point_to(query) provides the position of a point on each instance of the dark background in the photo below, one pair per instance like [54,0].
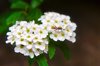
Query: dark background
[86,50]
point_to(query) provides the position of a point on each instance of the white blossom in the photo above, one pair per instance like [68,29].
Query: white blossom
[59,26]
[30,39]
[40,45]
[11,38]
[41,32]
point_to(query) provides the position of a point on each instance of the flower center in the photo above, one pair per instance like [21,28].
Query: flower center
[62,34]
[41,31]
[28,36]
[39,43]
[34,28]
[48,20]
[29,42]
[56,21]
[21,39]
[19,33]
[21,46]
[30,50]
[28,30]
[68,30]
[36,38]
[21,27]
[55,35]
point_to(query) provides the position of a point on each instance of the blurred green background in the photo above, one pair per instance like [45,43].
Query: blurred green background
[85,13]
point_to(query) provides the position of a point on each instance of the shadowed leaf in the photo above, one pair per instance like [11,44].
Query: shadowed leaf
[41,60]
[36,3]
[16,16]
[19,5]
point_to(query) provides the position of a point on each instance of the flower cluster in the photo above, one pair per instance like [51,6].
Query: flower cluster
[59,26]
[32,40]
[28,38]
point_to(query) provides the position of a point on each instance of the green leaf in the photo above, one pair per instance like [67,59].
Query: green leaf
[64,48]
[34,14]
[41,60]
[19,5]
[51,51]
[15,0]
[30,61]
[36,3]
[4,28]
[3,18]
[16,16]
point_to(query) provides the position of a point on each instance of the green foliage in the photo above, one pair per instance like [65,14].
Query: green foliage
[66,52]
[41,60]
[36,3]
[34,14]
[64,48]
[52,49]
[3,22]
[3,29]
[19,5]
[30,61]
[16,0]
[20,10]
[16,16]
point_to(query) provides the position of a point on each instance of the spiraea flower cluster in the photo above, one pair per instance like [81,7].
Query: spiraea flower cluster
[28,38]
[59,26]
[31,39]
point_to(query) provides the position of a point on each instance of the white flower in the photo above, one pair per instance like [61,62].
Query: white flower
[20,49]
[68,31]
[72,38]
[34,27]
[41,32]
[45,40]
[72,26]
[17,33]
[31,53]
[58,36]
[36,38]
[40,45]
[11,38]
[46,49]
[54,36]
[59,26]
[47,20]
[37,51]
[29,45]
[48,17]
[12,28]
[23,23]
[65,18]
[62,36]
[20,41]
[30,39]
